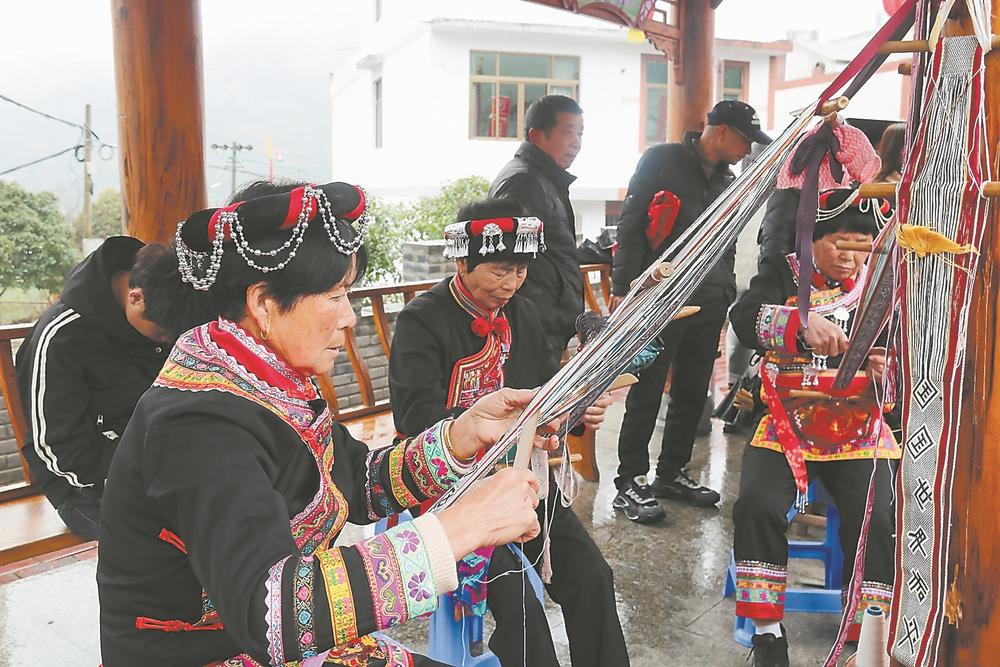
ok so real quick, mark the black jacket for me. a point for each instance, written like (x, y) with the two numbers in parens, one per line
(777, 231)
(554, 283)
(678, 169)
(433, 333)
(80, 372)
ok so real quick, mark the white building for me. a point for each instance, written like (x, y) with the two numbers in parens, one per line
(433, 90)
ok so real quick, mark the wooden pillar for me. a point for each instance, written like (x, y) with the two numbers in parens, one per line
(158, 76)
(689, 93)
(972, 634)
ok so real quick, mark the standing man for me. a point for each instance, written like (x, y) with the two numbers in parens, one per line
(683, 179)
(537, 179)
(85, 364)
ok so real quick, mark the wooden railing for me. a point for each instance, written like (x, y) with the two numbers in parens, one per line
(372, 297)
(12, 401)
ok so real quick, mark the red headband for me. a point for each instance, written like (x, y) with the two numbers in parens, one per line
(507, 225)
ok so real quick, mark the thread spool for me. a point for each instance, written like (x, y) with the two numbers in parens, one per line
(873, 640)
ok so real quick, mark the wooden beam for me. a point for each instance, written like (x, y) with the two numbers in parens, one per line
(158, 76)
(689, 93)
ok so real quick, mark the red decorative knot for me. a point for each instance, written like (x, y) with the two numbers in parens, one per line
(485, 325)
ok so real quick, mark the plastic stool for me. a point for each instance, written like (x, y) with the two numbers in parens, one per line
(826, 600)
(450, 641)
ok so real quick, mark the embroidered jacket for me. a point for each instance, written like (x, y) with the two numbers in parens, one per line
(229, 486)
(765, 318)
(439, 366)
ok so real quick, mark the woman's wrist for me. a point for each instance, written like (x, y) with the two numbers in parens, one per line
(464, 536)
(457, 439)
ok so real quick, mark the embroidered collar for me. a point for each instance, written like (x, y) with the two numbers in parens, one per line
(484, 322)
(260, 360)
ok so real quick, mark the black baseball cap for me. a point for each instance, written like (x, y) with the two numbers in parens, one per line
(741, 117)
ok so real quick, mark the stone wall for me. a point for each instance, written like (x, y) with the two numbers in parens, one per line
(424, 260)
(10, 463)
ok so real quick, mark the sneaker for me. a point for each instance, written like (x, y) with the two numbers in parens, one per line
(636, 501)
(770, 651)
(683, 487)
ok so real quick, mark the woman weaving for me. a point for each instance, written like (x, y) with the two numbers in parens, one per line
(811, 430)
(231, 481)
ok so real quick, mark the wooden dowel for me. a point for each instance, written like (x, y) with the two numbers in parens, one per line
(686, 311)
(858, 246)
(915, 45)
(906, 69)
(834, 105)
(870, 190)
(664, 270)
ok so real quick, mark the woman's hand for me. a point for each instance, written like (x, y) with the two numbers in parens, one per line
(876, 365)
(614, 302)
(489, 418)
(824, 337)
(594, 415)
(495, 511)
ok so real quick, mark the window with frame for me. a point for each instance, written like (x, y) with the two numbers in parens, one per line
(735, 80)
(503, 86)
(377, 110)
(654, 100)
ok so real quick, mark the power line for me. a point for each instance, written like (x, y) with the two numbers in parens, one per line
(51, 117)
(41, 159)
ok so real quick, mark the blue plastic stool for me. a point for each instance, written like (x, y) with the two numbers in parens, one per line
(826, 600)
(450, 641)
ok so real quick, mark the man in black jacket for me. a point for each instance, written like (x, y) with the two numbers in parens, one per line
(84, 366)
(537, 179)
(694, 172)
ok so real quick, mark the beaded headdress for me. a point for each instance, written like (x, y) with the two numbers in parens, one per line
(493, 239)
(200, 239)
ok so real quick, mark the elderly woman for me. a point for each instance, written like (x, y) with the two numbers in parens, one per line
(817, 433)
(232, 481)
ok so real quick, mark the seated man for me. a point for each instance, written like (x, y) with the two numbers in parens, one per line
(84, 365)
(830, 436)
(469, 336)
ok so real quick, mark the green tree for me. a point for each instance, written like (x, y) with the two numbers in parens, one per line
(105, 215)
(36, 244)
(421, 220)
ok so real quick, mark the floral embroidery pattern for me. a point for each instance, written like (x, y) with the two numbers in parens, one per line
(772, 325)
(385, 581)
(760, 589)
(275, 640)
(338, 595)
(873, 593)
(302, 590)
(415, 568)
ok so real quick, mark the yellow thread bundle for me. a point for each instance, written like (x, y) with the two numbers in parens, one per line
(925, 241)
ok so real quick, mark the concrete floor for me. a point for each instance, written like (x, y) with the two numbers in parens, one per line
(668, 577)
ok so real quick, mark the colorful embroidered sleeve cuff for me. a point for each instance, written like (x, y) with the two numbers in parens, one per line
(428, 463)
(439, 552)
(400, 577)
(778, 327)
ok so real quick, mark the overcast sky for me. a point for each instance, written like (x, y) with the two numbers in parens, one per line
(267, 66)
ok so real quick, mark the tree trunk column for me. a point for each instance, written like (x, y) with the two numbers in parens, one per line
(971, 635)
(158, 76)
(689, 94)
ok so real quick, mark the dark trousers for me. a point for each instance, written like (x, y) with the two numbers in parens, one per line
(690, 347)
(767, 491)
(556, 343)
(81, 512)
(582, 585)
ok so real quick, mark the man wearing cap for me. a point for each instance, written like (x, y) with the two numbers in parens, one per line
(466, 337)
(672, 185)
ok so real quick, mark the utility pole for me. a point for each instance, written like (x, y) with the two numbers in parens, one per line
(232, 148)
(88, 179)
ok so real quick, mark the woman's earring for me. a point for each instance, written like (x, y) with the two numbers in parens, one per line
(264, 332)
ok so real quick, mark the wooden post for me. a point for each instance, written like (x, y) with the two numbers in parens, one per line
(689, 93)
(972, 634)
(158, 76)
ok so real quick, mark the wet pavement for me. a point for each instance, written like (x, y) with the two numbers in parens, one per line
(669, 580)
